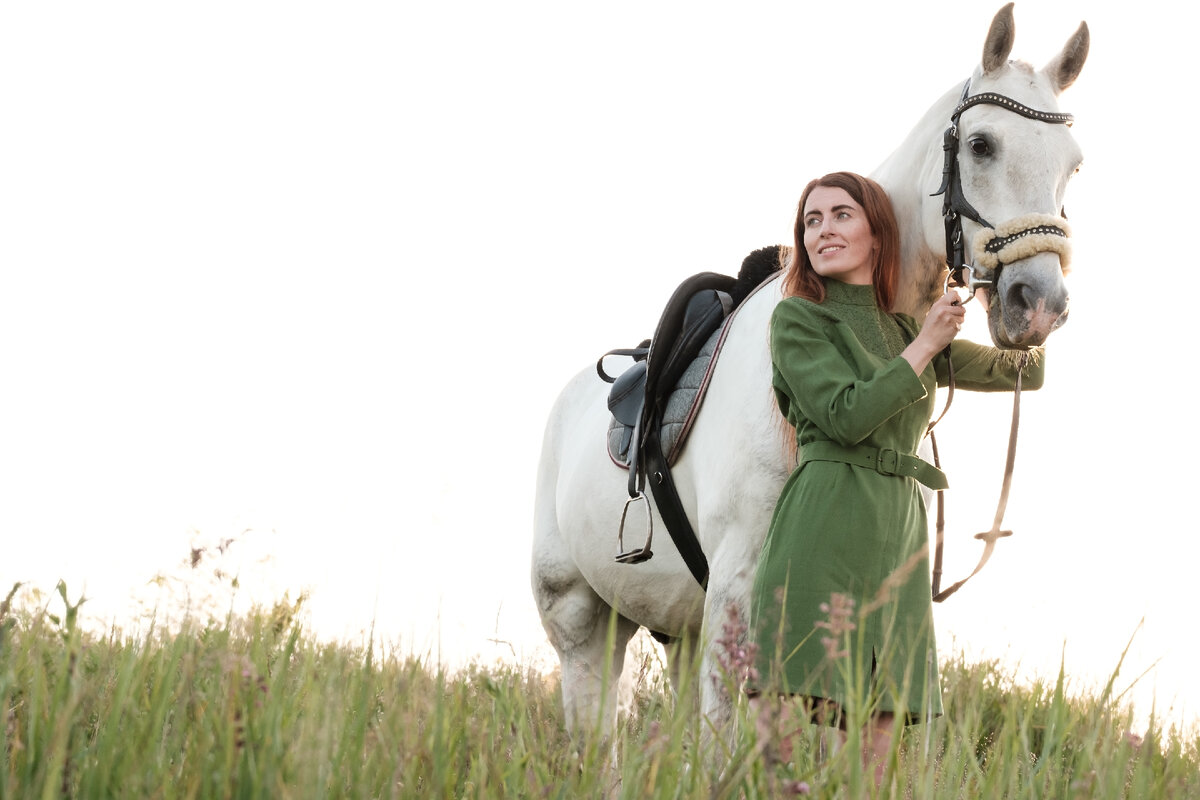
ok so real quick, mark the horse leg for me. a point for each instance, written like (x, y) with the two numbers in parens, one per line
(726, 654)
(592, 655)
(590, 639)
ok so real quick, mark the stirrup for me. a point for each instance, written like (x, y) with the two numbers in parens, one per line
(635, 556)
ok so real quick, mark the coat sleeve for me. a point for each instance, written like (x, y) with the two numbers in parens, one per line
(812, 357)
(982, 368)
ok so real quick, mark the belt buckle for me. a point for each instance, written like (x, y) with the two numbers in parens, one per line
(887, 462)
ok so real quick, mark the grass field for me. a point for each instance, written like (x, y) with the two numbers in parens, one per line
(252, 707)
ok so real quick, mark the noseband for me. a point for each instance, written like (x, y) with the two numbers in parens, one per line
(1013, 240)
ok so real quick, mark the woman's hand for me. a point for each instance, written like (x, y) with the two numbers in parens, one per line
(942, 324)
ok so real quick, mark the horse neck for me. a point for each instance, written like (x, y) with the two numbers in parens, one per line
(910, 175)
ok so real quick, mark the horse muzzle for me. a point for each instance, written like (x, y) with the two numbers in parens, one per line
(1020, 268)
(1028, 301)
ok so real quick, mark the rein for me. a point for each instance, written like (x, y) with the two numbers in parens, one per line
(988, 537)
(994, 247)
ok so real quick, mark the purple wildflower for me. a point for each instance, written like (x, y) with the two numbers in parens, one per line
(736, 655)
(839, 609)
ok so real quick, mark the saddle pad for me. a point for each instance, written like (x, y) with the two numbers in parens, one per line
(682, 406)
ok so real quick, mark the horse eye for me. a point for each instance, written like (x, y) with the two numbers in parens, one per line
(979, 146)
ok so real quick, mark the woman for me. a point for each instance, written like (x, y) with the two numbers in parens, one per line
(842, 594)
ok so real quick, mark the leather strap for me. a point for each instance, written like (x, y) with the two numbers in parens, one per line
(987, 537)
(885, 461)
(666, 497)
(638, 353)
(992, 98)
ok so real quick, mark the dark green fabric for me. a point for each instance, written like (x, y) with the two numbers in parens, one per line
(845, 529)
(883, 460)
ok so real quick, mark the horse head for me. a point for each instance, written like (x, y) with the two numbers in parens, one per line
(1015, 154)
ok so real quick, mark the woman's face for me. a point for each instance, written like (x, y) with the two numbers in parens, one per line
(838, 237)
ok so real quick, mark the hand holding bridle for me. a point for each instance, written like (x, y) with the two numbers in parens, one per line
(942, 324)
(944, 320)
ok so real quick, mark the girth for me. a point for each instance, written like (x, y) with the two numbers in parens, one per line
(883, 460)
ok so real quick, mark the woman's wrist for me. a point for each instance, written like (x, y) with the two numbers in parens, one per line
(919, 354)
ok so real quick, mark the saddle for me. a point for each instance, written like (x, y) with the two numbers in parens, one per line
(654, 401)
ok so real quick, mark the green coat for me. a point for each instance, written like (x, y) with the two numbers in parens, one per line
(845, 529)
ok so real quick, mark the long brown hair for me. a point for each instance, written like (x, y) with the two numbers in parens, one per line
(801, 280)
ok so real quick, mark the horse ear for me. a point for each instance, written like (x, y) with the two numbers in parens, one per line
(999, 40)
(1064, 68)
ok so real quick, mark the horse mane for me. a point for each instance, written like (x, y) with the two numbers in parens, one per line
(756, 268)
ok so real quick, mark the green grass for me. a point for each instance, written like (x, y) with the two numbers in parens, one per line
(252, 707)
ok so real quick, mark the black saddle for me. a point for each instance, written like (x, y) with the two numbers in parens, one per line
(695, 311)
(638, 398)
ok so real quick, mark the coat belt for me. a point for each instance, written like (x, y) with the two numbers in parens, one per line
(883, 460)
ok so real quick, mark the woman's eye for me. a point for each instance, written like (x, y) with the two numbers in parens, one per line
(979, 146)
(812, 222)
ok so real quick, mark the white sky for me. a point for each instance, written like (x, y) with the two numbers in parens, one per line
(318, 270)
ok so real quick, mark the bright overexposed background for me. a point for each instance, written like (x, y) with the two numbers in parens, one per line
(307, 276)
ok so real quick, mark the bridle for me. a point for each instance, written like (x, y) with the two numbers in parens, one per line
(993, 248)
(994, 240)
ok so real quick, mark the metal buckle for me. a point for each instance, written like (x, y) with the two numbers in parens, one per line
(971, 285)
(645, 553)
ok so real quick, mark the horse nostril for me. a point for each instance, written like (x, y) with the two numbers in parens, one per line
(1021, 297)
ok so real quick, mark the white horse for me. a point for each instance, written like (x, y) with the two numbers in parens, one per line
(1011, 167)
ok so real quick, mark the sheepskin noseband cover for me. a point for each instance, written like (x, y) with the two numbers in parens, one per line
(1023, 237)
